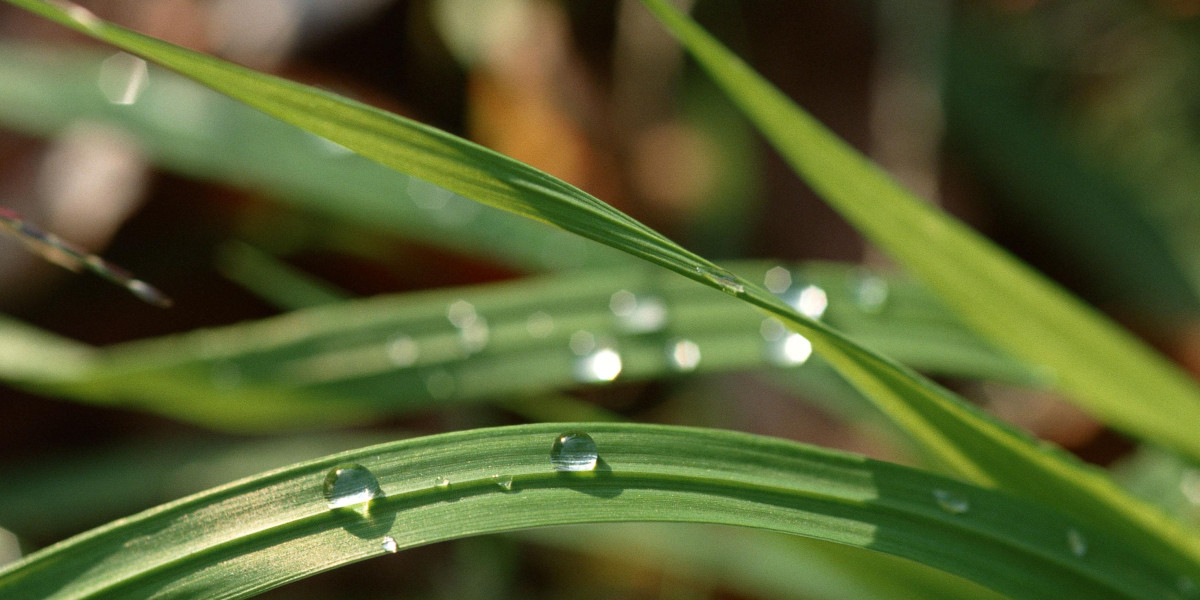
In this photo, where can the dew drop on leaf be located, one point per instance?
(727, 281)
(574, 451)
(951, 502)
(389, 544)
(351, 485)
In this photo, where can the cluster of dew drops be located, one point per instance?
(351, 486)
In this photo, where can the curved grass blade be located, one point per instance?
(262, 532)
(414, 351)
(189, 129)
(1106, 370)
(953, 434)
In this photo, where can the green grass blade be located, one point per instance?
(261, 532)
(390, 354)
(1103, 368)
(189, 129)
(953, 434)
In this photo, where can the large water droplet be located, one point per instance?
(728, 282)
(810, 300)
(389, 544)
(574, 451)
(777, 280)
(870, 292)
(1076, 542)
(402, 351)
(122, 78)
(951, 502)
(351, 485)
(636, 314)
(683, 355)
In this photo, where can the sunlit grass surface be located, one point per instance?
(601, 337)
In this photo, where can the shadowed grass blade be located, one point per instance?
(267, 530)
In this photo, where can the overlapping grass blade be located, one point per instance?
(189, 129)
(1103, 368)
(957, 436)
(392, 354)
(265, 531)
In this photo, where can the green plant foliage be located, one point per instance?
(277, 527)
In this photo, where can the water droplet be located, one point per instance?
(728, 282)
(539, 325)
(638, 314)
(777, 280)
(870, 293)
(461, 313)
(811, 301)
(574, 451)
(582, 342)
(78, 13)
(683, 355)
(442, 482)
(474, 337)
(122, 78)
(604, 364)
(1076, 542)
(504, 481)
(402, 351)
(952, 502)
(389, 545)
(785, 348)
(351, 485)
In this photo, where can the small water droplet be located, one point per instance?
(351, 485)
(870, 293)
(582, 342)
(389, 545)
(402, 351)
(644, 314)
(539, 325)
(785, 348)
(810, 300)
(777, 280)
(728, 282)
(78, 13)
(474, 337)
(461, 313)
(683, 355)
(1076, 542)
(574, 451)
(952, 502)
(441, 482)
(603, 364)
(504, 481)
(123, 78)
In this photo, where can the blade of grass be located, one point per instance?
(1106, 370)
(953, 434)
(277, 527)
(381, 355)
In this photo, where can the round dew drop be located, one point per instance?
(1076, 542)
(951, 502)
(351, 485)
(574, 451)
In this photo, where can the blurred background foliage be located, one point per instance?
(1065, 130)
